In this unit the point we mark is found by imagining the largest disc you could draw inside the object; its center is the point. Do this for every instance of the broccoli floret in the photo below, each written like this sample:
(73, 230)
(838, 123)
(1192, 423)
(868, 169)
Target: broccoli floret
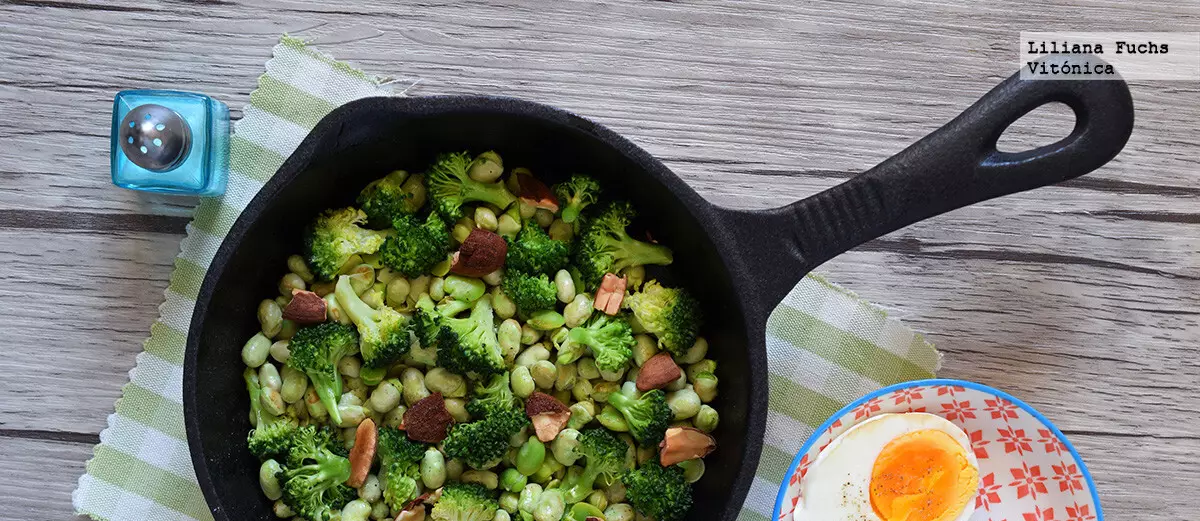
(428, 317)
(605, 246)
(610, 339)
(272, 435)
(672, 314)
(533, 251)
(469, 345)
(399, 466)
(450, 187)
(465, 502)
(384, 199)
(335, 236)
(661, 493)
(414, 247)
(316, 351)
(314, 483)
(482, 444)
(383, 333)
(647, 416)
(531, 293)
(605, 455)
(494, 396)
(575, 194)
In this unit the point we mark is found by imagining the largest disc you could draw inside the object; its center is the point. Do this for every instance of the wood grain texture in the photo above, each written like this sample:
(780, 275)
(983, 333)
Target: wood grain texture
(1083, 299)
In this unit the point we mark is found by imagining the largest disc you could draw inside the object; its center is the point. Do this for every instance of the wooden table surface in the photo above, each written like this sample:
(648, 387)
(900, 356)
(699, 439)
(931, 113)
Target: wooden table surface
(1082, 299)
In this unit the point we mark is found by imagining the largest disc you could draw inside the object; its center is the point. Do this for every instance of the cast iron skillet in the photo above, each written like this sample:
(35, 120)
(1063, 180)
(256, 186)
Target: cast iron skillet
(740, 263)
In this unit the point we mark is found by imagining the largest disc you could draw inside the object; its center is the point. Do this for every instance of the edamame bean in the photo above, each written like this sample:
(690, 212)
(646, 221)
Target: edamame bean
(601, 390)
(356, 384)
(372, 376)
(509, 337)
(370, 491)
(679, 383)
(504, 307)
(645, 348)
(502, 515)
(582, 390)
(414, 385)
(587, 368)
(255, 351)
(531, 456)
(323, 289)
(464, 289)
(433, 469)
(582, 413)
(281, 351)
(417, 286)
(486, 167)
(312, 402)
(437, 289)
(386, 396)
(530, 335)
(613, 376)
(414, 186)
(550, 506)
(564, 286)
(528, 499)
(695, 353)
(619, 512)
(296, 264)
(705, 385)
(611, 419)
(508, 225)
(564, 447)
(397, 292)
(546, 320)
(565, 378)
(561, 231)
(706, 419)
(578, 311)
(486, 478)
(486, 219)
(454, 469)
(518, 439)
(693, 469)
(494, 278)
(442, 268)
(543, 217)
(268, 376)
(357, 510)
(287, 331)
(615, 492)
(381, 511)
(334, 311)
(510, 501)
(457, 407)
(349, 366)
(272, 401)
(526, 210)
(439, 380)
(644, 454)
(703, 366)
(294, 384)
(512, 480)
(290, 282)
(270, 317)
(544, 373)
(522, 382)
(281, 510)
(532, 355)
(684, 403)
(352, 415)
(385, 275)
(395, 417)
(598, 499)
(268, 480)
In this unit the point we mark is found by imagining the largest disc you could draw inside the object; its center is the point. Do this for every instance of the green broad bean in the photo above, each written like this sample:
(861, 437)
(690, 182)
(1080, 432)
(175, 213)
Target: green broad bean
(528, 499)
(418, 355)
(693, 469)
(632, 374)
(433, 469)
(373, 296)
(357, 510)
(297, 265)
(385, 275)
(706, 419)
(380, 511)
(312, 402)
(372, 376)
(598, 499)
(494, 278)
(283, 301)
(584, 511)
(299, 411)
(395, 417)
(351, 263)
(374, 260)
(561, 231)
(281, 510)
(613, 376)
(645, 348)
(705, 385)
(287, 331)
(522, 382)
(684, 403)
(441, 269)
(370, 491)
(679, 383)
(508, 225)
(294, 384)
(397, 292)
(601, 390)
(564, 446)
(501, 515)
(486, 167)
(569, 352)
(486, 219)
(281, 351)
(349, 366)
(270, 318)
(564, 287)
(439, 380)
(587, 368)
(290, 282)
(531, 456)
(362, 277)
(510, 456)
(356, 384)
(457, 407)
(414, 186)
(530, 335)
(578, 310)
(630, 389)
(454, 469)
(703, 366)
(268, 376)
(386, 396)
(543, 217)
(512, 480)
(562, 396)
(695, 353)
(532, 355)
(615, 492)
(268, 480)
(334, 311)
(418, 286)
(644, 454)
(517, 440)
(612, 420)
(582, 390)
(527, 210)
(546, 320)
(463, 289)
(352, 415)
(510, 502)
(544, 373)
(461, 231)
(437, 288)
(582, 413)
(486, 478)
(272, 401)
(619, 512)
(504, 307)
(255, 351)
(566, 378)
(635, 325)
(414, 385)
(551, 505)
(634, 277)
(509, 336)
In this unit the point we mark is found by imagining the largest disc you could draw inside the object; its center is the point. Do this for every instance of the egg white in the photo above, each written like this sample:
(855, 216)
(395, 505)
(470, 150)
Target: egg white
(837, 484)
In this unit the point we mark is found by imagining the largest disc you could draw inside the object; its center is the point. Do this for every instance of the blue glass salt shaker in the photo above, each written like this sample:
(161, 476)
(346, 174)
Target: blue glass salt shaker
(170, 142)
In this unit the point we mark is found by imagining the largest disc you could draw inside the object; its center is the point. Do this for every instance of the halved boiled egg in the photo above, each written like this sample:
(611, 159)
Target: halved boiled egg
(893, 467)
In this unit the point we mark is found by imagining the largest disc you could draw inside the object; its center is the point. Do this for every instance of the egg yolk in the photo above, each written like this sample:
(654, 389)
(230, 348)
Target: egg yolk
(922, 476)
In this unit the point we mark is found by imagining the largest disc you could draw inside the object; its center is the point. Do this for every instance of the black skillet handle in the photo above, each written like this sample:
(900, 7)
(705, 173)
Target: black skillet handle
(955, 166)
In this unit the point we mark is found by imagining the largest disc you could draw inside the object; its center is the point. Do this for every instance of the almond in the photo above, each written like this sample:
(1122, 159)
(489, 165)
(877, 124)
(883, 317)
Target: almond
(482, 252)
(416, 514)
(428, 420)
(658, 372)
(306, 307)
(685, 443)
(362, 454)
(549, 416)
(610, 294)
(536, 193)
(540, 402)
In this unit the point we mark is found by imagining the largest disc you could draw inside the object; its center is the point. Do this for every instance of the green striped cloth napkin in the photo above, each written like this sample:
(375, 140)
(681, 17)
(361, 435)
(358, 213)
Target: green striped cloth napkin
(826, 346)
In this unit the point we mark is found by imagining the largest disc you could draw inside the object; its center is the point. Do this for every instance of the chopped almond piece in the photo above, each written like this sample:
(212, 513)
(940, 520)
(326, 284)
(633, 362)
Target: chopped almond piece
(610, 294)
(549, 416)
(428, 420)
(539, 403)
(658, 372)
(363, 453)
(481, 253)
(685, 443)
(416, 514)
(536, 193)
(306, 307)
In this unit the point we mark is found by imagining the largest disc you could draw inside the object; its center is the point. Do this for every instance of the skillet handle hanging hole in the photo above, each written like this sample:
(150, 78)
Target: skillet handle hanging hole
(954, 166)
(1048, 123)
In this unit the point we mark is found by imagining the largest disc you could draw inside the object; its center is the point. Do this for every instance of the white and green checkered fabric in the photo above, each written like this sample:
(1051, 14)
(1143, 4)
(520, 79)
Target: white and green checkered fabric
(826, 346)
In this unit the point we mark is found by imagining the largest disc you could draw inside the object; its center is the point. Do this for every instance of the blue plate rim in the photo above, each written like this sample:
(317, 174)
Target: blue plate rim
(1087, 475)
